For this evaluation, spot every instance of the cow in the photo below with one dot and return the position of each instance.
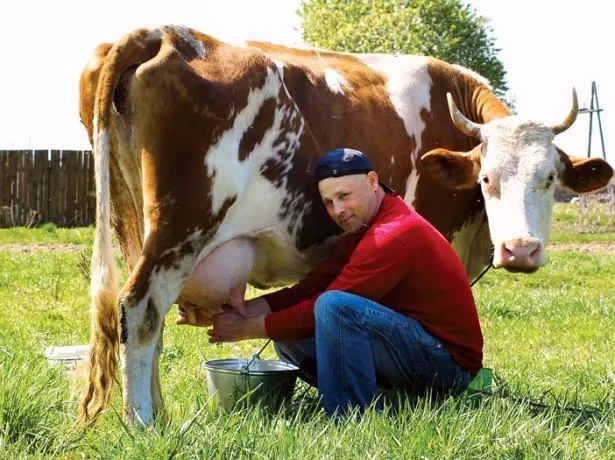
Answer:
(204, 153)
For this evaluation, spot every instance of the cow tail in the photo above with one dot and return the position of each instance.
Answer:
(131, 51)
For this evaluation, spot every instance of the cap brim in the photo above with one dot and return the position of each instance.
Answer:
(386, 187)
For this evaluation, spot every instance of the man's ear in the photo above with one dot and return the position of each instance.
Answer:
(453, 170)
(584, 175)
(372, 176)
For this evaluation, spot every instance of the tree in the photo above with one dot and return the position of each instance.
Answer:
(447, 29)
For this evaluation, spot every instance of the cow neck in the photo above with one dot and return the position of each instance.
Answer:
(484, 106)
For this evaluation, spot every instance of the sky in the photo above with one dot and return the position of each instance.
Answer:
(547, 47)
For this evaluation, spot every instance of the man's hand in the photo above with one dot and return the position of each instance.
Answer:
(230, 326)
(195, 316)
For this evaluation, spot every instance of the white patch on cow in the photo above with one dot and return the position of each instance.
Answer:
(147, 227)
(336, 81)
(222, 161)
(280, 66)
(409, 86)
(474, 75)
(185, 34)
(255, 214)
(137, 369)
(231, 175)
(468, 242)
(411, 183)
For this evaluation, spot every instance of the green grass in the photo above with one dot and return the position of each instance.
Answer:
(572, 225)
(47, 234)
(549, 337)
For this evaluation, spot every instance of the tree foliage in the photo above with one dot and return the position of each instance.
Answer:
(450, 30)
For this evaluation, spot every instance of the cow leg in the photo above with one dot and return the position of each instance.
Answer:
(145, 300)
(157, 403)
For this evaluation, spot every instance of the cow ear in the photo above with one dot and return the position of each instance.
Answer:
(584, 175)
(453, 170)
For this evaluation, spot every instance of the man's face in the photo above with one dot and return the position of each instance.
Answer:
(351, 201)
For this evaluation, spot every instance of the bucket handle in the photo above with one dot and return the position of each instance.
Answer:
(254, 358)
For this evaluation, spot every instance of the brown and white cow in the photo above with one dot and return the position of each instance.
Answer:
(204, 154)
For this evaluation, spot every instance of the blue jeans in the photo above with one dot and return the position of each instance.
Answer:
(360, 345)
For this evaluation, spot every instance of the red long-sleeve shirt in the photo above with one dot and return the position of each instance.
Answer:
(401, 262)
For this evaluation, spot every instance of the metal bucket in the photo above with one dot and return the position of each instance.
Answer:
(267, 383)
(69, 357)
(74, 362)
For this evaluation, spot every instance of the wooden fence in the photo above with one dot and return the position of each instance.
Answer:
(46, 186)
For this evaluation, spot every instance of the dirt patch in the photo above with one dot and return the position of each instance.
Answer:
(601, 247)
(46, 247)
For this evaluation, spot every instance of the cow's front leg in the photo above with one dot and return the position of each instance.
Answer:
(144, 302)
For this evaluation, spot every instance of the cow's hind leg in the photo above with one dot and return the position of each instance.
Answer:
(145, 300)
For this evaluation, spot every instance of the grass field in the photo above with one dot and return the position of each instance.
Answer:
(550, 338)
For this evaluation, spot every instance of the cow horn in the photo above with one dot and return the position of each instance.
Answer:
(572, 116)
(464, 125)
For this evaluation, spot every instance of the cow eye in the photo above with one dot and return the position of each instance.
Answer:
(550, 180)
(485, 180)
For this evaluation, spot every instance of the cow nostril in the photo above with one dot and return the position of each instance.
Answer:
(536, 252)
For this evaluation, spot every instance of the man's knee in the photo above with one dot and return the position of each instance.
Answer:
(329, 305)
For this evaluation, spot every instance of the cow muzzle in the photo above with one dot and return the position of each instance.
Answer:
(519, 255)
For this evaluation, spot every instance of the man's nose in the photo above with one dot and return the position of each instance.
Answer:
(338, 208)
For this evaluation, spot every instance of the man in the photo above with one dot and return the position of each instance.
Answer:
(391, 307)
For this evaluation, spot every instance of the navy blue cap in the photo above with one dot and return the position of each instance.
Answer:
(344, 162)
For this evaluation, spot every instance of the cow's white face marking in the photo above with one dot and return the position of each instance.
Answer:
(336, 81)
(518, 175)
(409, 86)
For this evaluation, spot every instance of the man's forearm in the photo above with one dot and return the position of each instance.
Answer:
(256, 327)
(257, 307)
